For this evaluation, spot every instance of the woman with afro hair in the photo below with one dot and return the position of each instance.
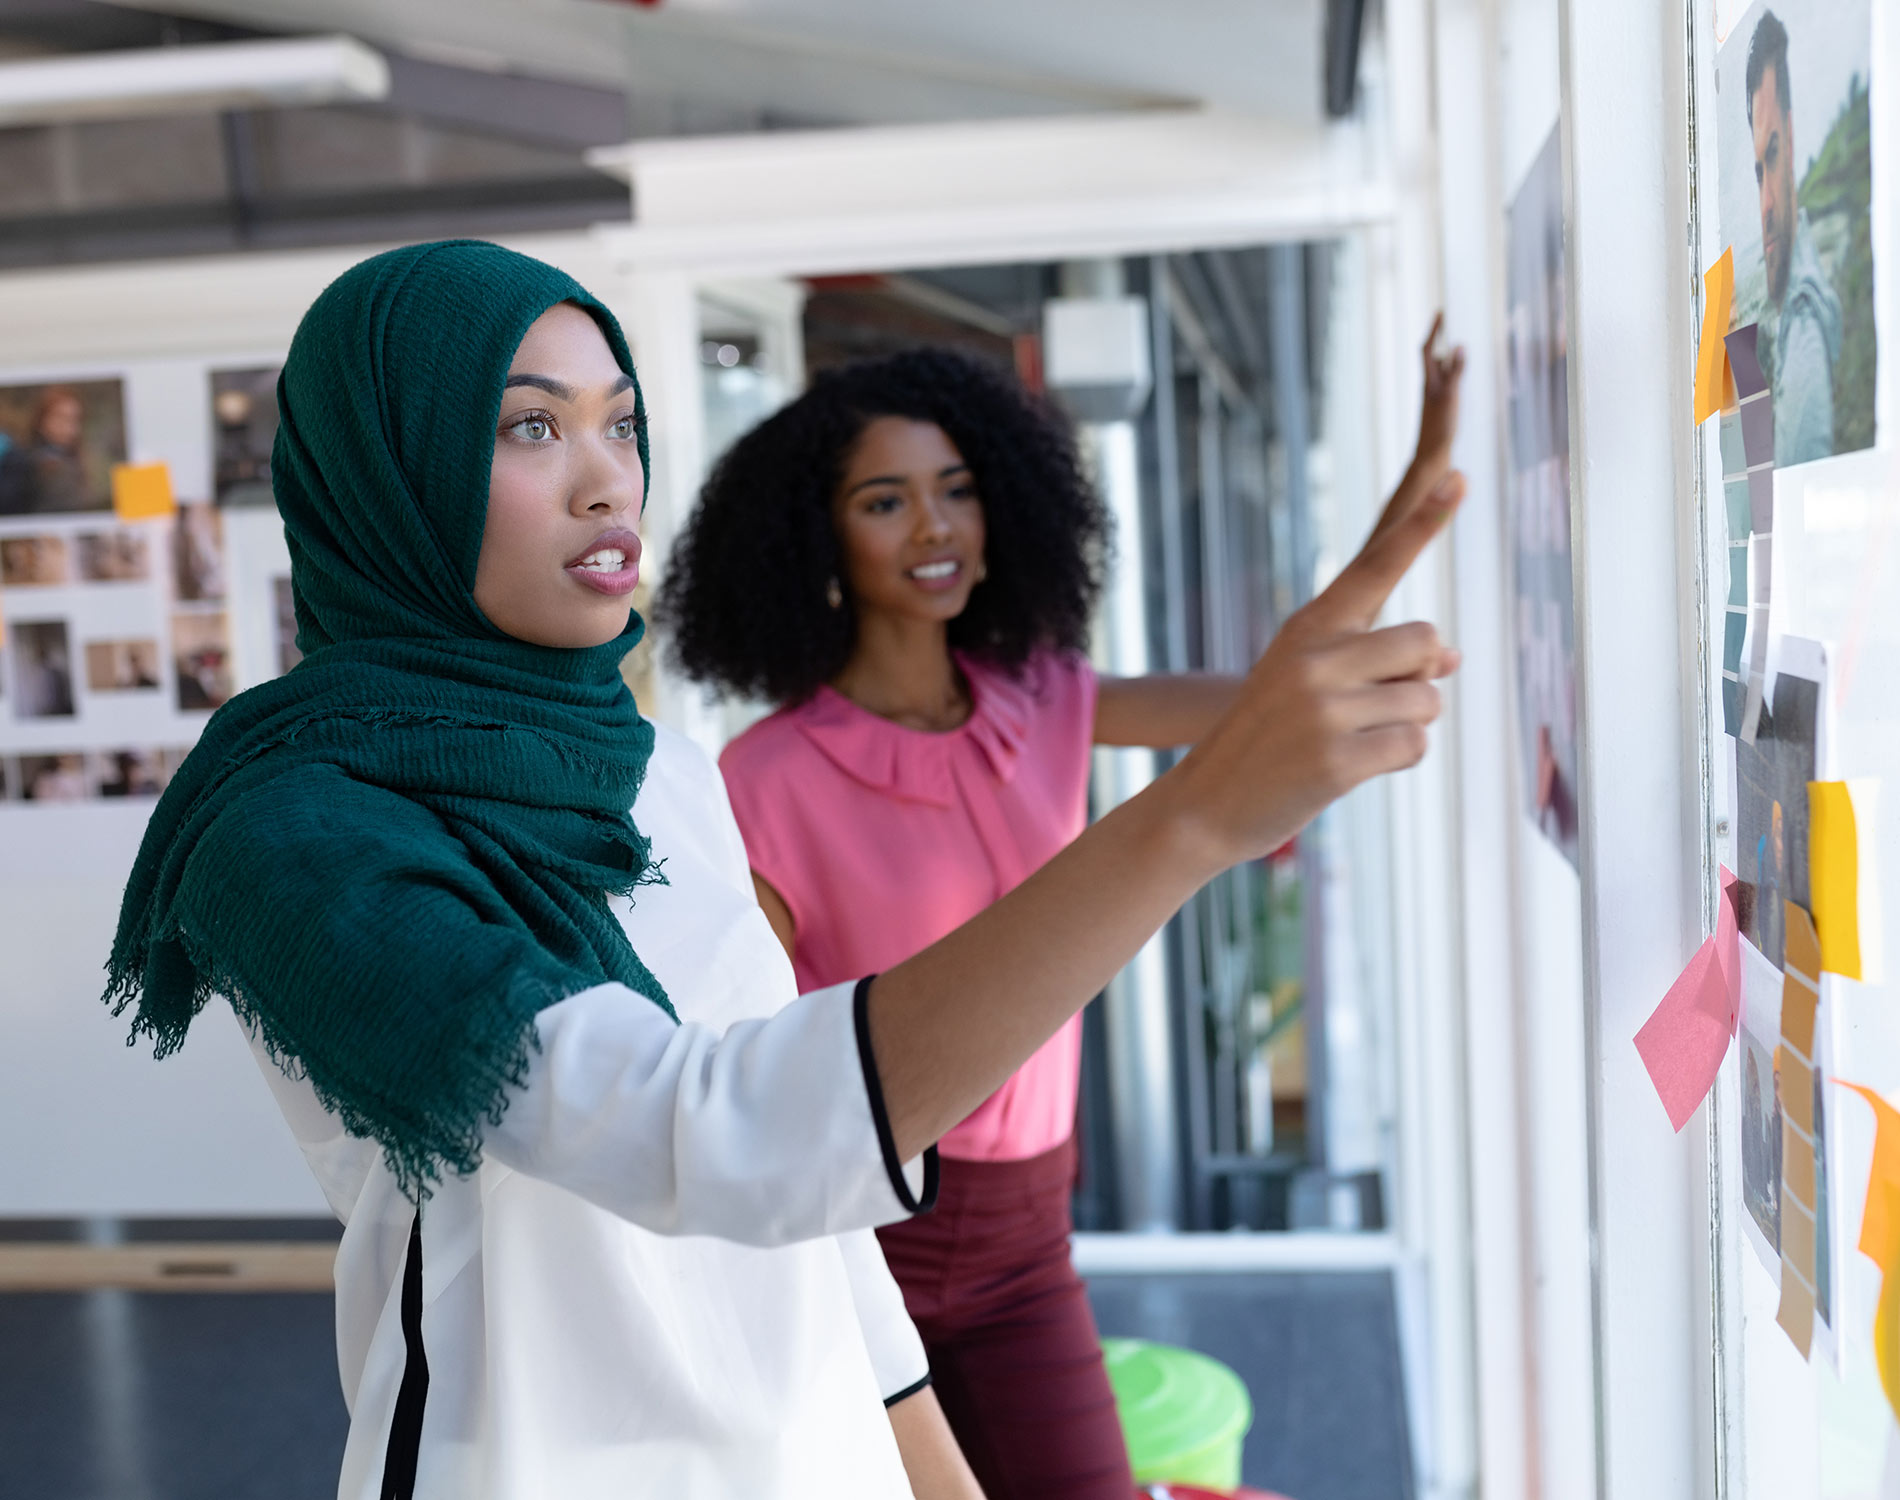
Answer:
(904, 560)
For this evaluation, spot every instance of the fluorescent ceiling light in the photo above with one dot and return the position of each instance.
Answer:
(181, 80)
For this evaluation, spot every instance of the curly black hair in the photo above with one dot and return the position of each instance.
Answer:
(745, 591)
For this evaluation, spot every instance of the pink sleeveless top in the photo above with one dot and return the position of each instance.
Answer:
(882, 839)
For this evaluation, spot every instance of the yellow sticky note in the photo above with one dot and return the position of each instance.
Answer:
(1841, 877)
(1711, 366)
(1887, 1337)
(142, 492)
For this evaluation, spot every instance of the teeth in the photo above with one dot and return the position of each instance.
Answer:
(608, 560)
(934, 570)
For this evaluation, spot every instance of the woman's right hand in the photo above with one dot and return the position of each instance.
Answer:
(1437, 427)
(1331, 703)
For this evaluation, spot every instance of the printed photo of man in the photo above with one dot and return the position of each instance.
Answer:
(1806, 311)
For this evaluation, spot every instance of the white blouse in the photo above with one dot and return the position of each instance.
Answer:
(663, 1279)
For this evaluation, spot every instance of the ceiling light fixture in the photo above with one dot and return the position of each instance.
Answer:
(189, 80)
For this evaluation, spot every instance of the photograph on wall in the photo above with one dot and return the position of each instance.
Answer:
(42, 669)
(1756, 1042)
(58, 443)
(244, 410)
(1796, 183)
(129, 773)
(1771, 786)
(201, 654)
(118, 556)
(60, 777)
(198, 553)
(35, 561)
(1826, 1240)
(283, 603)
(1539, 415)
(121, 666)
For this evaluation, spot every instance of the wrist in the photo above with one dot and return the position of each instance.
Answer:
(1176, 831)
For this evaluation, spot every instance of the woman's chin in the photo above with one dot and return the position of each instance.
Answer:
(917, 604)
(570, 631)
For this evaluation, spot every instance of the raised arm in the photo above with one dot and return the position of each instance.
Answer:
(1166, 710)
(1332, 703)
(1162, 710)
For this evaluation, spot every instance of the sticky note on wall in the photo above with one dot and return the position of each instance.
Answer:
(1843, 879)
(1880, 1238)
(1794, 1081)
(142, 492)
(1711, 368)
(1683, 1042)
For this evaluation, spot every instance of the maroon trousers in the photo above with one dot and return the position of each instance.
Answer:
(1014, 1355)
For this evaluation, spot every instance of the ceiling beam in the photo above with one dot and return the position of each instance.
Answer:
(695, 55)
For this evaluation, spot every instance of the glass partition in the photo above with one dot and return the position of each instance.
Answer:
(1238, 1077)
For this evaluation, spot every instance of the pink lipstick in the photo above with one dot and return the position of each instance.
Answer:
(611, 563)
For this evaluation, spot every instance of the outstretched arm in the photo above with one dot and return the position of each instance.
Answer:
(1165, 710)
(1333, 702)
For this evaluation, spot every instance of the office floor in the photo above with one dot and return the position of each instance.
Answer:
(189, 1396)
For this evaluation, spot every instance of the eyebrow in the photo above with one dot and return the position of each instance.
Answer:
(943, 473)
(560, 389)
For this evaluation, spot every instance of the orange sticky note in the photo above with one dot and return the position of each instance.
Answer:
(1801, 986)
(1796, 1312)
(1880, 1238)
(1711, 366)
(1880, 1221)
(142, 492)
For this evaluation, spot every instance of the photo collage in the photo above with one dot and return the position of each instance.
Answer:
(117, 631)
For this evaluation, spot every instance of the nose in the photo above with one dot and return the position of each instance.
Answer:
(933, 521)
(601, 485)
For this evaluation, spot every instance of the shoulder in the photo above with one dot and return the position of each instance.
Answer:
(294, 817)
(1060, 682)
(683, 802)
(682, 769)
(765, 750)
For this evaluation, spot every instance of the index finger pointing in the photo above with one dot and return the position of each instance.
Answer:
(1352, 601)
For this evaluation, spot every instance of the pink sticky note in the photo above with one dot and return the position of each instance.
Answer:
(1683, 1042)
(1728, 948)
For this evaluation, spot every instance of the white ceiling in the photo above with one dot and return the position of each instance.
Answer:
(858, 60)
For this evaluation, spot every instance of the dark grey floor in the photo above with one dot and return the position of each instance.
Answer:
(1320, 1356)
(172, 1396)
(231, 1396)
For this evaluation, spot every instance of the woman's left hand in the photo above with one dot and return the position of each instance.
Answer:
(933, 1462)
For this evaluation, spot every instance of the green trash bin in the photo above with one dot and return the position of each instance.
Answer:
(1183, 1415)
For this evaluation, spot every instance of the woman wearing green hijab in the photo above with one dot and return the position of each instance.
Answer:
(607, 1183)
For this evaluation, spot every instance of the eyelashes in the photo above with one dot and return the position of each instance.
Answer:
(538, 428)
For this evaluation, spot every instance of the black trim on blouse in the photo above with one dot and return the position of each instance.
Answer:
(874, 1087)
(405, 1428)
(908, 1391)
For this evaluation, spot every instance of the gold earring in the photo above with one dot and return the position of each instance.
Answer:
(982, 570)
(834, 596)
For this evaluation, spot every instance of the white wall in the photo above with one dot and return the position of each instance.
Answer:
(105, 1130)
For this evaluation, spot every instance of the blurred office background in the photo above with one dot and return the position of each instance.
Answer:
(1209, 228)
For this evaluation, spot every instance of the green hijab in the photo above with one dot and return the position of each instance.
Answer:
(390, 859)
